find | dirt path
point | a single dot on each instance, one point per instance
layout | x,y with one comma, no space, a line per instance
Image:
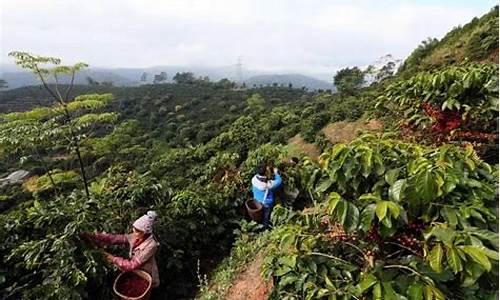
249,285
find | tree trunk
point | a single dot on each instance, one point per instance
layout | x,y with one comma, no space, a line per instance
82,170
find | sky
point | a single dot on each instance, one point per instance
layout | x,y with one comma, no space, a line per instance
307,36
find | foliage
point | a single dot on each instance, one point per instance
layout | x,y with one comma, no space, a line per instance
413,62
348,80
185,77
383,218
416,226
60,180
468,92
256,103
247,246
41,246
67,122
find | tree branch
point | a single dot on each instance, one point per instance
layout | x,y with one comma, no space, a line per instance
329,256
57,86
70,85
39,73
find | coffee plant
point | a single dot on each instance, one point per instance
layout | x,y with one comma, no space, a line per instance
458,102
394,220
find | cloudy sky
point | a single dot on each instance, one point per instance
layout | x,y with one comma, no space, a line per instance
310,36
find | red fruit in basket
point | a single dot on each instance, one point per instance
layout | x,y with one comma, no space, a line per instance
132,285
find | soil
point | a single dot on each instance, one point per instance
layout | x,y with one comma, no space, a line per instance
250,285
345,132
297,145
494,56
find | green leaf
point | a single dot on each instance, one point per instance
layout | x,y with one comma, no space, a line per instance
287,279
454,260
435,257
369,197
450,183
381,210
312,266
377,291
477,255
281,271
367,282
428,294
337,149
387,222
389,293
287,240
450,215
367,162
393,209
415,291
470,163
329,283
488,252
367,215
397,189
324,184
443,234
333,200
289,261
426,185
472,273
392,175
490,236
350,218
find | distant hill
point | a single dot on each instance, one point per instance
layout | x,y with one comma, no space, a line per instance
297,81
16,79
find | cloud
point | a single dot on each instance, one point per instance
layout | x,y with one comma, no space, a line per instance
307,36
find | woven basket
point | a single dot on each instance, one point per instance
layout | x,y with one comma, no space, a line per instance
254,209
143,275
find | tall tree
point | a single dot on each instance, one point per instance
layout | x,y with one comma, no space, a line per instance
91,81
348,80
162,77
184,77
68,121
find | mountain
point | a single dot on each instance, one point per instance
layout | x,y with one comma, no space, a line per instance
22,78
16,77
297,80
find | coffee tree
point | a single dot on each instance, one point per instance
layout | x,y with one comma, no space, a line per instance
458,102
67,122
394,220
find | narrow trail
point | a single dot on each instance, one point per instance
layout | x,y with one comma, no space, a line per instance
249,285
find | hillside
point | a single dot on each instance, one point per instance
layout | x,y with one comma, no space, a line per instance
402,202
475,41
346,247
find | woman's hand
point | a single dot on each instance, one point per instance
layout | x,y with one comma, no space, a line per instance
108,256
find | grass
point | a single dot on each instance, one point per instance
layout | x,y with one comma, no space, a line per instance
248,244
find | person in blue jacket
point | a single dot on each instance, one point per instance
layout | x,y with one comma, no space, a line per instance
263,191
